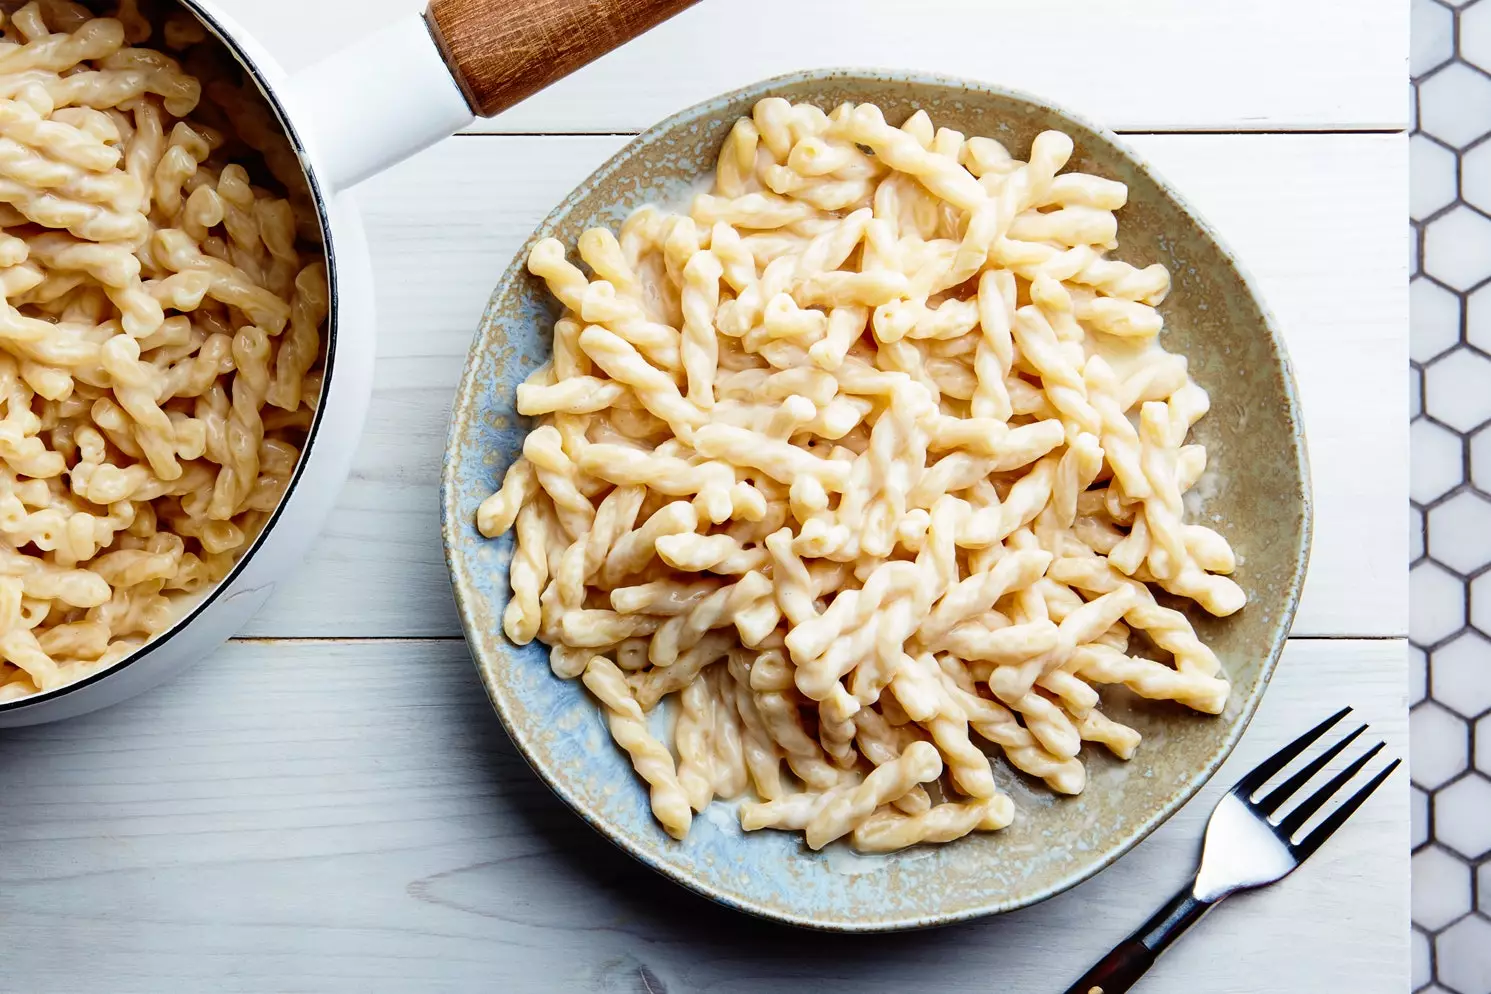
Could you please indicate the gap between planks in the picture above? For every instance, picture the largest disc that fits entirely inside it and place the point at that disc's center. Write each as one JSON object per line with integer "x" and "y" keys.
{"x": 355, "y": 639}
{"x": 1122, "y": 132}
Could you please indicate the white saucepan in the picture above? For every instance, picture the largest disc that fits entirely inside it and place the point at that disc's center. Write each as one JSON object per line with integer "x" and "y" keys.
{"x": 352, "y": 115}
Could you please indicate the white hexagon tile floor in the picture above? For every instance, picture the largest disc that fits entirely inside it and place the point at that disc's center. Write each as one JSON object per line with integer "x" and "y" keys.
{"x": 1450, "y": 487}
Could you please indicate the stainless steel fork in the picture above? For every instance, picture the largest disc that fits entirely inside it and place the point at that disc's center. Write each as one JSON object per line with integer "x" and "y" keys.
{"x": 1244, "y": 848}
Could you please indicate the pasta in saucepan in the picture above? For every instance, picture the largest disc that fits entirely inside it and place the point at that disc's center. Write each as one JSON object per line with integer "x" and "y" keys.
{"x": 160, "y": 335}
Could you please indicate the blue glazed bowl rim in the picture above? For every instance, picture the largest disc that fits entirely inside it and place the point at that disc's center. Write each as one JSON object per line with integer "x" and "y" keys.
{"x": 480, "y": 640}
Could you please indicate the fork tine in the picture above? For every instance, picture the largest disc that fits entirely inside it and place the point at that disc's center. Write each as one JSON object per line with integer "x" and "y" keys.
{"x": 1290, "y": 787}
{"x": 1313, "y": 803}
{"x": 1261, "y": 773}
{"x": 1337, "y": 818}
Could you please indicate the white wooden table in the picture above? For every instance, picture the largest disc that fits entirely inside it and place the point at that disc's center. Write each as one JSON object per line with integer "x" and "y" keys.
{"x": 328, "y": 804}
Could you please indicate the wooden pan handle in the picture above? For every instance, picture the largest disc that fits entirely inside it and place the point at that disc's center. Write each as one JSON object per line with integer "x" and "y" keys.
{"x": 503, "y": 51}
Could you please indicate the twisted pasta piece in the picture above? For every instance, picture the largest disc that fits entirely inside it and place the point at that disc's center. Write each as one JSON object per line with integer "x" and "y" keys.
{"x": 720, "y": 607}
{"x": 650, "y": 758}
{"x": 658, "y": 682}
{"x": 653, "y": 388}
{"x": 731, "y": 774}
{"x": 1103, "y": 664}
{"x": 763, "y": 759}
{"x": 498, "y": 512}
{"x": 1095, "y": 726}
{"x": 528, "y": 571}
{"x": 779, "y": 460}
{"x": 624, "y": 465}
{"x": 881, "y": 742}
{"x": 886, "y": 831}
{"x": 918, "y": 764}
{"x": 771, "y": 681}
{"x": 1168, "y": 628}
{"x": 559, "y": 477}
{"x": 977, "y": 594}
{"x": 691, "y": 736}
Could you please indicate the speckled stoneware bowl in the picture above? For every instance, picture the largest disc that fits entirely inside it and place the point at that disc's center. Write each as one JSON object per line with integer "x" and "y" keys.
{"x": 1256, "y": 491}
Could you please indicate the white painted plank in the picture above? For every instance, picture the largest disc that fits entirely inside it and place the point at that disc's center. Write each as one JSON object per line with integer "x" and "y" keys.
{"x": 351, "y": 817}
{"x": 1140, "y": 65}
{"x": 1316, "y": 218}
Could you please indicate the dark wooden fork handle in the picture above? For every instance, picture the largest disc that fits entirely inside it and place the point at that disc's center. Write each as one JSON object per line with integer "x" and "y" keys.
{"x": 1121, "y": 969}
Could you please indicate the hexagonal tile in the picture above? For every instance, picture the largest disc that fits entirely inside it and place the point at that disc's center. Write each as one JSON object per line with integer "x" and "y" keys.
{"x": 1483, "y": 889}
{"x": 1457, "y": 246}
{"x": 1462, "y": 677}
{"x": 1440, "y": 740}
{"x": 1422, "y": 968}
{"x": 1454, "y": 104}
{"x": 1436, "y": 604}
{"x": 1441, "y": 888}
{"x": 1475, "y": 184}
{"x": 1432, "y": 176}
{"x": 1432, "y": 34}
{"x": 1418, "y": 675}
{"x": 1419, "y": 807}
{"x": 1433, "y": 319}
{"x": 1460, "y": 956}
{"x": 1478, "y": 313}
{"x": 1436, "y": 462}
{"x": 1413, "y": 106}
{"x": 1456, "y": 388}
{"x": 1475, "y": 36}
{"x": 1483, "y": 746}
{"x": 1413, "y": 251}
{"x": 1415, "y": 534}
{"x": 1462, "y": 816}
{"x": 1460, "y": 528}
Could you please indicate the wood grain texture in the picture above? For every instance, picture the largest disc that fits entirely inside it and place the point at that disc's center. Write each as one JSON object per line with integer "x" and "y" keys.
{"x": 1140, "y": 65}
{"x": 350, "y": 817}
{"x": 502, "y": 53}
{"x": 1315, "y": 218}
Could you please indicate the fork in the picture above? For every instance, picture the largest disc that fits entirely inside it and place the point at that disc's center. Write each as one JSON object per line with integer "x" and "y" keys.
{"x": 1244, "y": 849}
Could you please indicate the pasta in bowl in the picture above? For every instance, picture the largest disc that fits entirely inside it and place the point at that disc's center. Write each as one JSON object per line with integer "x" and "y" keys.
{"x": 869, "y": 456}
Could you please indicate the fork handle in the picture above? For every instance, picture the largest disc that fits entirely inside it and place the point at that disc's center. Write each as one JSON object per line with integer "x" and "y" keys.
{"x": 1121, "y": 969}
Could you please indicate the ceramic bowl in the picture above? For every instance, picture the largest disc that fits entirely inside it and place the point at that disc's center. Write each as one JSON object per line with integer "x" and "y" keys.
{"x": 1256, "y": 491}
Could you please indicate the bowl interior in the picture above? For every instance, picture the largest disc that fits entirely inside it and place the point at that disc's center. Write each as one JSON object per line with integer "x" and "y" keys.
{"x": 1255, "y": 491}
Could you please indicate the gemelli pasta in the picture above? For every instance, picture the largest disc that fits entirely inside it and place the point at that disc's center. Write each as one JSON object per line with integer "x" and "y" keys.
{"x": 872, "y": 461}
{"x": 160, "y": 337}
